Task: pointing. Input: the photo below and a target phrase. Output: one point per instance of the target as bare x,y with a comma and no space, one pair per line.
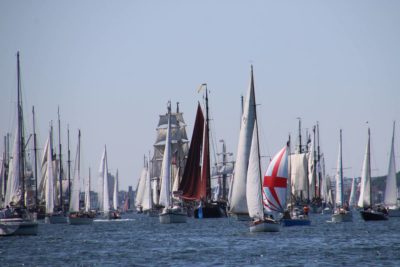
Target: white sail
76,182
104,200
253,183
13,192
146,200
87,194
365,190
299,174
391,185
339,176
352,199
49,188
165,192
312,177
238,203
115,195
140,188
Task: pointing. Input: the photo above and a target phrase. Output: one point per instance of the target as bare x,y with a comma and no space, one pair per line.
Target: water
142,241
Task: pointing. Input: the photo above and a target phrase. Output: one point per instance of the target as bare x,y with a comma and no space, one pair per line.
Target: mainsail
237,201
352,199
49,187
87,194
104,200
364,200
339,176
165,194
275,182
75,192
146,199
140,188
115,195
299,175
391,185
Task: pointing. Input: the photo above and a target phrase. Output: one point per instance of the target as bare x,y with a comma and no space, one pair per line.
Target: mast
35,156
299,134
341,169
59,145
318,159
69,164
20,133
207,144
224,173
315,164
369,167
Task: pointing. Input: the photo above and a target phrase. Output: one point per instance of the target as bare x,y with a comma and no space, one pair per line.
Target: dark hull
373,216
295,222
211,210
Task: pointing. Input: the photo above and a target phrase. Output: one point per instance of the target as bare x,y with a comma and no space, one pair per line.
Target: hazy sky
112,66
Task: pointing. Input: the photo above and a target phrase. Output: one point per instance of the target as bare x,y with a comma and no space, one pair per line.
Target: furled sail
275,182
237,201
253,182
365,190
391,185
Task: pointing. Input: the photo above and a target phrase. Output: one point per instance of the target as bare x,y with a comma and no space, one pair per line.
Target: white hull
342,217
173,217
326,211
56,219
80,221
394,212
18,226
265,226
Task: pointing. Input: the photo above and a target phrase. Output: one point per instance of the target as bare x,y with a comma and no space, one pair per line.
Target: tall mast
299,135
35,156
224,173
21,134
315,164
208,189
341,169
59,145
369,167
318,159
69,163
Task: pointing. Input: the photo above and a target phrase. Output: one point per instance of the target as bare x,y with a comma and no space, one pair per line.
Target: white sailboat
140,188
237,201
15,218
365,201
76,216
104,199
342,212
170,213
391,191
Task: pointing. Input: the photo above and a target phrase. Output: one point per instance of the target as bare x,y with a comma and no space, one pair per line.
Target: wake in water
119,220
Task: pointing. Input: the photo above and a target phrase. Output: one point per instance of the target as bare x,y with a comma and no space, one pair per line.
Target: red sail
193,185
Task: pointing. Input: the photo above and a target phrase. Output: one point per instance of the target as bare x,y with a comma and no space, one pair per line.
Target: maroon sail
192,185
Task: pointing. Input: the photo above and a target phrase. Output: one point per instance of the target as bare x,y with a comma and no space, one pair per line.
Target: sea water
138,240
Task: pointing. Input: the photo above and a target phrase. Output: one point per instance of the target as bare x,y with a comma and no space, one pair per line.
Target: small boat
295,217
392,200
171,213
369,213
254,189
17,220
342,212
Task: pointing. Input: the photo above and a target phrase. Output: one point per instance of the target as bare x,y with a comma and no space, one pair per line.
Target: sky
112,66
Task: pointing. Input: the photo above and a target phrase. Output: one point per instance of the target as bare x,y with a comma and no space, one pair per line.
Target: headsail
391,185
104,200
275,182
365,190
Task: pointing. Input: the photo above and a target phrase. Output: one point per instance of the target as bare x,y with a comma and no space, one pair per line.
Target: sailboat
342,212
352,198
140,188
15,219
195,186
369,213
391,198
76,216
171,213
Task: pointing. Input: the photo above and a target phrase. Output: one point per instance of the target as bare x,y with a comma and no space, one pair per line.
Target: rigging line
212,129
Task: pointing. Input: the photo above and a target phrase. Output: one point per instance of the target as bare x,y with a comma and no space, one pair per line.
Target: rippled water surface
142,241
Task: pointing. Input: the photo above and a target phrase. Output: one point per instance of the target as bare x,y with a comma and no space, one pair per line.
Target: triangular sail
352,199
146,200
49,187
339,176
165,193
87,194
75,192
14,183
391,185
191,183
275,182
140,188
104,199
365,190
238,203
312,174
115,195
253,183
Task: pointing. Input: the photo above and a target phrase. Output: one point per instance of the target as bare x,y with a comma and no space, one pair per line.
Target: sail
146,200
14,183
365,190
115,195
87,194
104,200
339,176
299,175
238,203
191,183
391,185
140,188
312,175
275,182
352,199
50,179
75,192
165,193
253,182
